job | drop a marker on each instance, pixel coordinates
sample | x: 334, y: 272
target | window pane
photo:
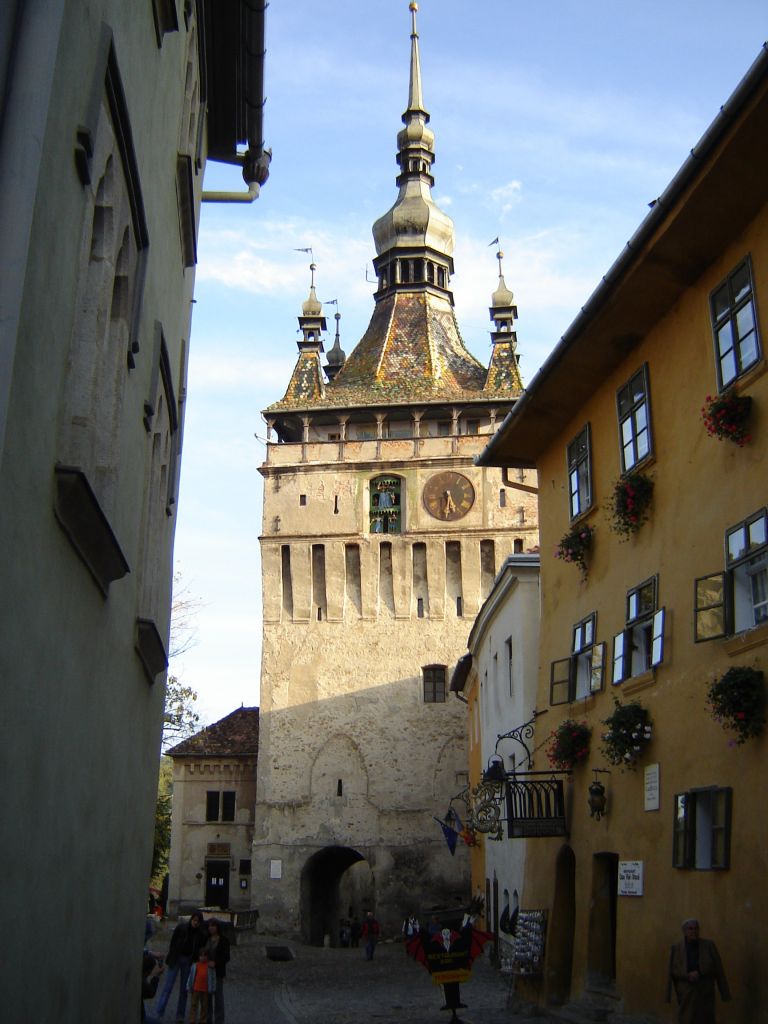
x: 641, y: 417
x: 737, y: 543
x: 657, y: 643
x: 632, y: 605
x: 212, y: 805
x: 709, y: 591
x: 638, y: 386
x: 643, y: 447
x: 760, y: 595
x: 727, y: 368
x: 228, y: 805
x: 748, y: 350
x: 725, y: 339
x: 720, y: 302
x: 647, y: 599
x: 596, y: 676
x: 577, y: 638
x: 588, y: 631
x: 757, y: 532
x: 740, y: 282
x: 626, y: 431
x: 745, y: 321
x: 618, y: 658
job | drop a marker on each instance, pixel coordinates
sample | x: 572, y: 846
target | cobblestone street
x: 338, y: 986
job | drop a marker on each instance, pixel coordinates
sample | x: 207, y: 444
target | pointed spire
x: 336, y: 354
x: 414, y: 239
x: 312, y: 305
x: 502, y: 297
x: 415, y: 99
x: 503, y: 370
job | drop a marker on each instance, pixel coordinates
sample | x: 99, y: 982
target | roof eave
x: 552, y: 398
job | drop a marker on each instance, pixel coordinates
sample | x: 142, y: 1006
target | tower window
x: 385, y: 507
x: 434, y: 684
x: 502, y: 498
x: 302, y: 500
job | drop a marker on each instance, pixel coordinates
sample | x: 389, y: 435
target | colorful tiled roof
x: 504, y: 371
x: 237, y: 735
x: 411, y: 353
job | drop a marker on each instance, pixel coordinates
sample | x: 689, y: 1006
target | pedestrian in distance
x: 218, y: 950
x: 410, y: 927
x: 187, y: 940
x: 371, y: 932
x: 695, y: 968
x: 355, y: 931
x: 151, y: 969
x: 201, y: 983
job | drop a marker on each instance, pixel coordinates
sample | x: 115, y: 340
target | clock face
x: 448, y: 496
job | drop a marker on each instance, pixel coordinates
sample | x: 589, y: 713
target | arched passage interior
x: 321, y: 898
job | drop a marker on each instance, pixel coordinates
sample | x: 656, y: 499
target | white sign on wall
x: 630, y: 878
x: 275, y: 869
x: 652, y: 787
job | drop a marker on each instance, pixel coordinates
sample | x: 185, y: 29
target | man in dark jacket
x: 186, y: 942
x: 694, y: 970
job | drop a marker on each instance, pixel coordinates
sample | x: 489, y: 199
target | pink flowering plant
x: 630, y: 503
x: 737, y: 702
x: 575, y: 545
x: 726, y: 417
x: 627, y: 734
x: 569, y: 744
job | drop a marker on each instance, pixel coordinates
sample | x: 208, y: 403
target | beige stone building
x: 214, y: 793
x: 380, y: 541
x: 109, y: 112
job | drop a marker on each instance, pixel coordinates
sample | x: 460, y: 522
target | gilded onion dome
x: 415, y: 220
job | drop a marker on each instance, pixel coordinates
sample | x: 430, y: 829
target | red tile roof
x: 237, y: 735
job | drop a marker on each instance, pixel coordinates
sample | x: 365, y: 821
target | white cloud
x: 506, y: 197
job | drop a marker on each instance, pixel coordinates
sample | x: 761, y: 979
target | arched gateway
x: 336, y: 883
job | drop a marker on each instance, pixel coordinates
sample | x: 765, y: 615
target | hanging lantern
x: 597, y: 799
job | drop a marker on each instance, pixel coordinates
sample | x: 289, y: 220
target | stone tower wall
x: 351, y: 754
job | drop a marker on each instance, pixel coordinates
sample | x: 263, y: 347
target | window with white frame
x: 579, y: 473
x: 632, y: 403
x: 701, y: 837
x: 580, y: 674
x: 735, y: 600
x: 734, y: 325
x: 639, y: 647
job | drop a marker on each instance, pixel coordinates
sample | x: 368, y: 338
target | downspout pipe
x: 256, y: 160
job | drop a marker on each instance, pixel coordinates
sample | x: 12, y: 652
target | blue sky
x: 556, y: 124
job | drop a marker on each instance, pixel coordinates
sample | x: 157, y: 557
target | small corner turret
x: 503, y: 368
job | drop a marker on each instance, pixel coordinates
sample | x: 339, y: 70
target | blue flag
x: 451, y: 835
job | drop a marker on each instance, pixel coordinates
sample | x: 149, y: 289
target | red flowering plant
x: 737, y: 702
x: 630, y: 503
x: 569, y: 744
x: 726, y: 417
x: 574, y: 546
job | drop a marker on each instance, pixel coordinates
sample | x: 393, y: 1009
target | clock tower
x: 380, y: 541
